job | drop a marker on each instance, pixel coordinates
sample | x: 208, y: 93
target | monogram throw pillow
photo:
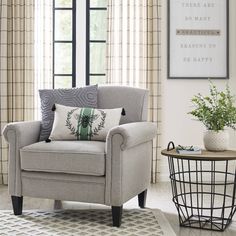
x: 76, y: 123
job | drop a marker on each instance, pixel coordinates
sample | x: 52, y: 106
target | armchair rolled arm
x: 128, y: 145
x: 18, y: 135
x: 133, y: 133
x: 25, y: 132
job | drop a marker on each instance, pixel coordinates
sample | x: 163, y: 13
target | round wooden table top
x: 205, y: 155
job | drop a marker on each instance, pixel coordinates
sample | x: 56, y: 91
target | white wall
x: 177, y: 125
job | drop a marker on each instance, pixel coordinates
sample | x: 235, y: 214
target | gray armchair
x: 109, y: 173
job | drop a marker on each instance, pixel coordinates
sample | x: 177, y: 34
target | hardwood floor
x: 159, y: 196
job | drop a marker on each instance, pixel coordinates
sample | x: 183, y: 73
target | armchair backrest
x: 133, y: 100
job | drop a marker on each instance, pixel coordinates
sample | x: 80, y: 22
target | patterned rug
x: 84, y: 223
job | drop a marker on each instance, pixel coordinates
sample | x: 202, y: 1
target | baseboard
x: 163, y: 177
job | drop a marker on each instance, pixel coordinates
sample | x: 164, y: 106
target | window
x: 64, y: 43
x: 65, y: 51
x: 96, y: 41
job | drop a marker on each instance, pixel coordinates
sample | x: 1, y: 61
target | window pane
x: 63, y: 58
x: 98, y: 25
x: 63, y: 25
x: 97, y: 58
x: 63, y: 3
x: 62, y: 82
x: 98, y: 3
x: 97, y: 79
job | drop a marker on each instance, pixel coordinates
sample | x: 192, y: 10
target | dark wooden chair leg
x: 117, y: 215
x: 142, y: 199
x: 17, y: 203
x: 57, y: 205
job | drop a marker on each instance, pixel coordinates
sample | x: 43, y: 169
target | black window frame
x: 88, y: 40
x: 73, y: 42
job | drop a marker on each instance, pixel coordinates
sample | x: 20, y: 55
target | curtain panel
x: 43, y: 50
x: 16, y: 68
x: 133, y: 55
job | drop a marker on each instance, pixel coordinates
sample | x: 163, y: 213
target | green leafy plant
x: 215, y: 111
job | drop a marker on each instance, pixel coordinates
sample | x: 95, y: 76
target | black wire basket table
x: 203, y: 187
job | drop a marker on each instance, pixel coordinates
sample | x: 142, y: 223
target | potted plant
x: 216, y: 111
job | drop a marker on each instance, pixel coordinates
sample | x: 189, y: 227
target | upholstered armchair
x: 109, y: 173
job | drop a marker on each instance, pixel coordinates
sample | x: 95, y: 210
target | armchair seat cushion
x: 73, y: 157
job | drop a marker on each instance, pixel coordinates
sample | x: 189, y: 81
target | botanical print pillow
x: 76, y: 123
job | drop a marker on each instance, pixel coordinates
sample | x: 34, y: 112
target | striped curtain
x: 43, y: 49
x: 16, y: 68
x: 133, y: 55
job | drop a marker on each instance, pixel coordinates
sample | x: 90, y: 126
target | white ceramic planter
x: 216, y: 141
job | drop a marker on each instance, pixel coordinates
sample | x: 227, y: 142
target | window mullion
x: 57, y: 41
x: 91, y: 51
x: 87, y: 42
x: 74, y: 44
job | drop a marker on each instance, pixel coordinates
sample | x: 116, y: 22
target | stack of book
x: 188, y: 150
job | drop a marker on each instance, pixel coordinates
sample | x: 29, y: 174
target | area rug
x: 146, y: 222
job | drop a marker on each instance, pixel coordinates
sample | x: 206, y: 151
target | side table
x: 203, y: 187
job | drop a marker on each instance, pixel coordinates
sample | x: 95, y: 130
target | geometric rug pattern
x: 135, y: 222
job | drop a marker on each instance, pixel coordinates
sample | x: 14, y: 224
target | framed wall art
x: 198, y: 35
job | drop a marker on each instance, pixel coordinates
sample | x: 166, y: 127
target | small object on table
x: 188, y: 150
x: 203, y: 187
